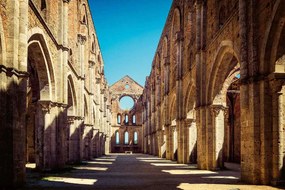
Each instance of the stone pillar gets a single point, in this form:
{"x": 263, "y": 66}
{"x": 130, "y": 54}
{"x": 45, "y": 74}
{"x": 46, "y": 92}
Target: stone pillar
{"x": 81, "y": 41}
{"x": 75, "y": 140}
{"x": 95, "y": 143}
{"x": 70, "y": 125}
{"x": 278, "y": 134}
{"x": 64, "y": 52}
{"x": 181, "y": 139}
{"x": 13, "y": 92}
{"x": 167, "y": 134}
{"x": 60, "y": 135}
{"x": 43, "y": 136}
{"x": 201, "y": 145}
{"x": 191, "y": 155}
{"x": 216, "y": 136}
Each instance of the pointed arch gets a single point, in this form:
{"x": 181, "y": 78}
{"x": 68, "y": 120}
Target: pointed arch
{"x": 174, "y": 46}
{"x": 117, "y": 137}
{"x": 136, "y": 138}
{"x": 72, "y": 102}
{"x": 39, "y": 57}
{"x": 273, "y": 45}
{"x": 119, "y": 119}
{"x": 83, "y": 14}
{"x": 43, "y": 5}
{"x": 93, "y": 44}
{"x": 225, "y": 67}
{"x": 126, "y": 138}
{"x": 190, "y": 102}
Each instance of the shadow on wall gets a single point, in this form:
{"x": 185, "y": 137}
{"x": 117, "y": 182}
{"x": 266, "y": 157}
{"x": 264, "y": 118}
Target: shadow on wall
{"x": 54, "y": 143}
{"x": 193, "y": 155}
{"x": 12, "y": 131}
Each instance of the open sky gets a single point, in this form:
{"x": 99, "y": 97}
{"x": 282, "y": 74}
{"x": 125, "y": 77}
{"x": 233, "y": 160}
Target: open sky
{"x": 128, "y": 33}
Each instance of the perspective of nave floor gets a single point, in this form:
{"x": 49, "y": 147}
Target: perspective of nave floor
{"x": 138, "y": 171}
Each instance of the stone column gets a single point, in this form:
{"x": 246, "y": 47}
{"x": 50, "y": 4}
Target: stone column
{"x": 81, "y": 41}
{"x": 70, "y": 125}
{"x": 13, "y": 92}
{"x": 216, "y": 136}
{"x": 277, "y": 133}
{"x": 181, "y": 139}
{"x": 191, "y": 155}
{"x": 75, "y": 140}
{"x": 64, "y": 50}
{"x": 43, "y": 136}
{"x": 60, "y": 134}
{"x": 202, "y": 145}
{"x": 95, "y": 143}
{"x": 174, "y": 146}
{"x": 168, "y": 139}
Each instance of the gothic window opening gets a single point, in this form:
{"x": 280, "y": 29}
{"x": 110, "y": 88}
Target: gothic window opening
{"x": 83, "y": 16}
{"x": 135, "y": 138}
{"x": 126, "y": 138}
{"x": 222, "y": 16}
{"x": 126, "y": 119}
{"x": 93, "y": 44}
{"x": 119, "y": 119}
{"x": 117, "y": 137}
{"x": 43, "y": 5}
{"x": 134, "y": 119}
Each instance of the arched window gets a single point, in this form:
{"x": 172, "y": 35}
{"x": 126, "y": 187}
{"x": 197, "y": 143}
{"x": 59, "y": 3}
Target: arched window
{"x": 93, "y": 44}
{"x": 135, "y": 138}
{"x": 134, "y": 119}
{"x": 43, "y": 5}
{"x": 126, "y": 138}
{"x": 119, "y": 119}
{"x": 117, "y": 137}
{"x": 83, "y": 15}
{"x": 126, "y": 119}
{"x": 222, "y": 16}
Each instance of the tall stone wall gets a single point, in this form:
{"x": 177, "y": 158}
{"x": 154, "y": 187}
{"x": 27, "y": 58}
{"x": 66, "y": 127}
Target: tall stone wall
{"x": 126, "y": 133}
{"x": 54, "y": 98}
{"x": 215, "y": 92}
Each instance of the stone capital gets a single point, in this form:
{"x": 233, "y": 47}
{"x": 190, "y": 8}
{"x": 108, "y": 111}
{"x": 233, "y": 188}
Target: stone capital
{"x": 70, "y": 119}
{"x": 91, "y": 64}
{"x": 179, "y": 36}
{"x": 98, "y": 80}
{"x": 276, "y": 84}
{"x": 167, "y": 60}
{"x": 79, "y": 118}
{"x": 215, "y": 109}
{"x": 45, "y": 105}
{"x": 189, "y": 121}
{"x": 81, "y": 39}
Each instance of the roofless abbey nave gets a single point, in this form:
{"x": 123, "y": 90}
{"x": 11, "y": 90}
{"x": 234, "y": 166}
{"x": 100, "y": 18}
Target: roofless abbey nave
{"x": 215, "y": 93}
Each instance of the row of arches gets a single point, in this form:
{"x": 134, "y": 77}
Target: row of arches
{"x": 218, "y": 110}
{"x": 51, "y": 116}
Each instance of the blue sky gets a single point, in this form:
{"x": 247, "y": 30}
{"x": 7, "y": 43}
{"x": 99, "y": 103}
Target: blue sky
{"x": 128, "y": 33}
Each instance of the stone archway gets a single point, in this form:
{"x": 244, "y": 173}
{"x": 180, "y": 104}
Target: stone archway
{"x": 190, "y": 129}
{"x": 171, "y": 135}
{"x": 39, "y": 102}
{"x": 225, "y": 72}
